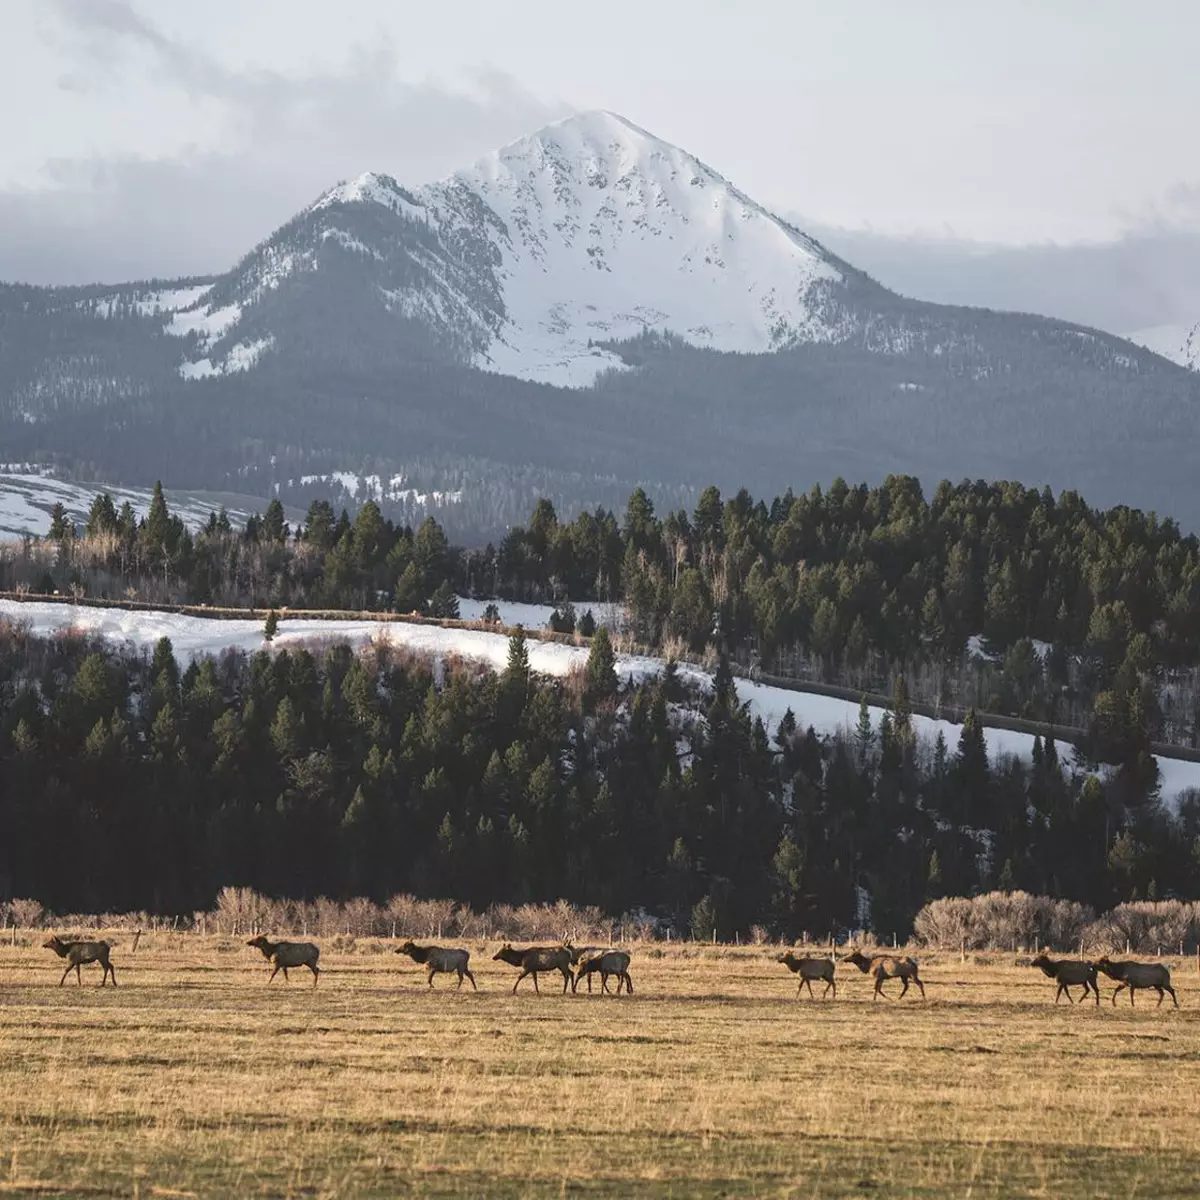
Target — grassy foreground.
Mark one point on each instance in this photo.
(196, 1078)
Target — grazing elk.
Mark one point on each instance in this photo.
(608, 962)
(440, 960)
(582, 954)
(884, 967)
(809, 969)
(1134, 975)
(79, 953)
(1069, 973)
(282, 955)
(535, 960)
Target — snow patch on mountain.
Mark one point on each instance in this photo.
(206, 322)
(1179, 343)
(240, 357)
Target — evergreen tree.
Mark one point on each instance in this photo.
(271, 627)
(600, 675)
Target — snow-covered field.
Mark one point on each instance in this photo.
(193, 636)
(27, 496)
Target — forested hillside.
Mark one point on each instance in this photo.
(126, 783)
(992, 596)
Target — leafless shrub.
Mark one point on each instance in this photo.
(25, 913)
(1146, 927)
(1002, 921)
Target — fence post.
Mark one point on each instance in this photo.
(136, 938)
(962, 950)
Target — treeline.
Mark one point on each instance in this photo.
(127, 783)
(989, 595)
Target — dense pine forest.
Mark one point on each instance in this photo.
(127, 782)
(989, 595)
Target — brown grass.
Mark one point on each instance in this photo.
(196, 1077)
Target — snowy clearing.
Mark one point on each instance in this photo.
(27, 496)
(193, 636)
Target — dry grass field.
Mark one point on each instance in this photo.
(196, 1078)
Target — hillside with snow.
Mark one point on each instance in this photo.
(193, 636)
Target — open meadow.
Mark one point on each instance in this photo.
(196, 1077)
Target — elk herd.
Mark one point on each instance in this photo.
(577, 963)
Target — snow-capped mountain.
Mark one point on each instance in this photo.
(1179, 343)
(590, 230)
(430, 334)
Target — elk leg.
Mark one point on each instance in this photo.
(920, 985)
(64, 975)
(904, 989)
(471, 978)
(569, 978)
(1161, 998)
(1174, 999)
(429, 977)
(113, 972)
(285, 975)
(519, 978)
(315, 972)
(79, 974)
(274, 973)
(830, 984)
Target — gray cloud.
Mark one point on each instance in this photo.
(1149, 277)
(289, 138)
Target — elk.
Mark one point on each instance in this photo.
(582, 954)
(282, 955)
(1134, 975)
(79, 953)
(809, 969)
(537, 959)
(439, 960)
(885, 967)
(1069, 973)
(609, 962)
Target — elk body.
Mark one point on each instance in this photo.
(809, 969)
(282, 955)
(608, 962)
(79, 953)
(440, 960)
(887, 966)
(536, 960)
(1069, 973)
(1134, 975)
(580, 954)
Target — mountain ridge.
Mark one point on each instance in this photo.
(583, 310)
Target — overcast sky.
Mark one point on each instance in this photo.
(149, 139)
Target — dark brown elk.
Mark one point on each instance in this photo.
(884, 967)
(1069, 973)
(1134, 975)
(609, 962)
(79, 953)
(809, 969)
(440, 960)
(535, 960)
(282, 955)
